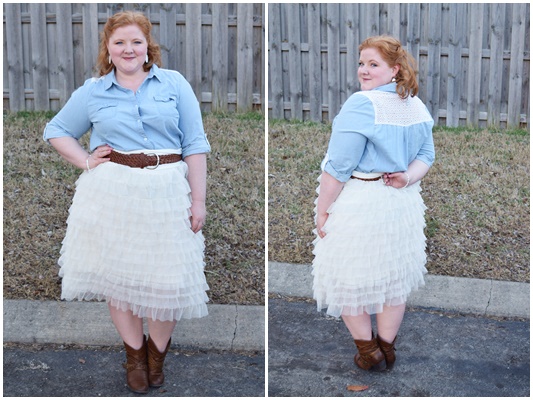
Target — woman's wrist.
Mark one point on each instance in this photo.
(408, 180)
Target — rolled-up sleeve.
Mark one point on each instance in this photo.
(190, 124)
(426, 153)
(73, 119)
(349, 137)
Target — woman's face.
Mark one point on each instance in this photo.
(373, 70)
(128, 47)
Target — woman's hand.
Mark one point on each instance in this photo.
(397, 180)
(320, 222)
(99, 156)
(198, 215)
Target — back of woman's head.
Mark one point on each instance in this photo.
(120, 20)
(393, 53)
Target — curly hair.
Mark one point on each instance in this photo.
(125, 18)
(394, 54)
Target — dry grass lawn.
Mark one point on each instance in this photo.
(39, 185)
(477, 194)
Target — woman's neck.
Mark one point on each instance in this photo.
(132, 82)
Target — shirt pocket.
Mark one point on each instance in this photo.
(166, 105)
(105, 112)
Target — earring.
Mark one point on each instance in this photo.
(393, 79)
(109, 59)
(146, 58)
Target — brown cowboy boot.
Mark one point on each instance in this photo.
(137, 368)
(156, 377)
(388, 351)
(370, 355)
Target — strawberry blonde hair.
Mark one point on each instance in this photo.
(393, 53)
(125, 18)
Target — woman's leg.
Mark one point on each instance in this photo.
(389, 322)
(359, 326)
(160, 332)
(129, 326)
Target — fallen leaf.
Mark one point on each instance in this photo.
(357, 388)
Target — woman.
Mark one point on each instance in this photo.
(370, 249)
(134, 229)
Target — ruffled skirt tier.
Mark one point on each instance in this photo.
(129, 242)
(373, 254)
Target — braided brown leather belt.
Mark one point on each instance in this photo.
(143, 160)
(366, 180)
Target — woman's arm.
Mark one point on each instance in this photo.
(70, 149)
(329, 191)
(197, 165)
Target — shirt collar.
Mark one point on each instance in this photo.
(111, 79)
(389, 87)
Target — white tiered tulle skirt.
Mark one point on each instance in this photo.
(129, 242)
(373, 253)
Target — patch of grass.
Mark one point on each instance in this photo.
(39, 186)
(477, 194)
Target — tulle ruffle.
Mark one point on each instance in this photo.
(129, 242)
(373, 253)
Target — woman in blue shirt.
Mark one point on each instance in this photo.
(134, 229)
(370, 245)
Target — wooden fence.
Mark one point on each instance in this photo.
(50, 49)
(473, 58)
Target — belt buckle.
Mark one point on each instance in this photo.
(153, 166)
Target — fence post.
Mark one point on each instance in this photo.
(244, 56)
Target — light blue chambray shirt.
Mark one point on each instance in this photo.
(377, 131)
(163, 114)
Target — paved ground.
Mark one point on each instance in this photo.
(57, 371)
(438, 354)
(460, 337)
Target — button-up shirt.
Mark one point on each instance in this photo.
(377, 131)
(162, 114)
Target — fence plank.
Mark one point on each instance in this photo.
(352, 45)
(65, 51)
(275, 61)
(90, 38)
(315, 71)
(220, 57)
(39, 57)
(434, 51)
(496, 64)
(193, 46)
(516, 67)
(168, 35)
(474, 64)
(15, 62)
(244, 56)
(454, 67)
(333, 60)
(393, 19)
(295, 62)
